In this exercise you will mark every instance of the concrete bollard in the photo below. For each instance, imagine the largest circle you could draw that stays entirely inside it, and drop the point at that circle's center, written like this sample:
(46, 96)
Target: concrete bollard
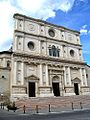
(3, 105)
(81, 105)
(36, 108)
(24, 109)
(72, 106)
(49, 108)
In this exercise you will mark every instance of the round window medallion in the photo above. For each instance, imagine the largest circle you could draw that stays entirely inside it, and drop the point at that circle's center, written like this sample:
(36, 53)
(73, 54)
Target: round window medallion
(72, 53)
(30, 45)
(51, 32)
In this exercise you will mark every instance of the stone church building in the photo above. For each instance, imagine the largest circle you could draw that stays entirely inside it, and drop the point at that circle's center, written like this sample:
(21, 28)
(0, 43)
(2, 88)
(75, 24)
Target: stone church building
(45, 60)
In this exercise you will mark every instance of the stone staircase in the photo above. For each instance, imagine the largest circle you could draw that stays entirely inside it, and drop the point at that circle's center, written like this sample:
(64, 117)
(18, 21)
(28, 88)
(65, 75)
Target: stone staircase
(66, 102)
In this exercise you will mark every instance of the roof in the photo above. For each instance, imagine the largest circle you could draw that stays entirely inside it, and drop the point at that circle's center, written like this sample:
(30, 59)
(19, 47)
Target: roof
(5, 52)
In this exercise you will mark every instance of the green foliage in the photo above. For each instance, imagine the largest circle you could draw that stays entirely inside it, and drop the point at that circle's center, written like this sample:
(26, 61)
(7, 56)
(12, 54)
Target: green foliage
(11, 106)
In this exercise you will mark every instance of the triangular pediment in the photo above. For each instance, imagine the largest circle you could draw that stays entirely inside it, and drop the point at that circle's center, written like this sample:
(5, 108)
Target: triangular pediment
(32, 77)
(76, 80)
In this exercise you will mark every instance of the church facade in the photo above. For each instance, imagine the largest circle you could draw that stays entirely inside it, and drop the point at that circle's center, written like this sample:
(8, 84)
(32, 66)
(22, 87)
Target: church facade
(45, 60)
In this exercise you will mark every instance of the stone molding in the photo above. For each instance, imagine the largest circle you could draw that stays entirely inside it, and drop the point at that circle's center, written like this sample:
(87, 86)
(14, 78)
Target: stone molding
(38, 58)
(23, 17)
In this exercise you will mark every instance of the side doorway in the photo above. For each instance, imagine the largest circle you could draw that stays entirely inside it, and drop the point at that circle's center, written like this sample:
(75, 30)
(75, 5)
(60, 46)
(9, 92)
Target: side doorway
(56, 89)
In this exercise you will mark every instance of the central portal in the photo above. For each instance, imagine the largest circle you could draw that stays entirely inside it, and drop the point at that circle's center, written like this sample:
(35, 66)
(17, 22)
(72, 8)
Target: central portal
(76, 88)
(56, 89)
(31, 86)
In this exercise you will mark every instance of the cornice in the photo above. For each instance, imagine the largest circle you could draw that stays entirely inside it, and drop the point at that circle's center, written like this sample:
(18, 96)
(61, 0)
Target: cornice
(5, 68)
(6, 52)
(17, 15)
(48, 58)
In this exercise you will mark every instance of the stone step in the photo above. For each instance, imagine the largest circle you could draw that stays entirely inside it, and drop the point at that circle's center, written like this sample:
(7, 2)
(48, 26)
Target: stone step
(54, 101)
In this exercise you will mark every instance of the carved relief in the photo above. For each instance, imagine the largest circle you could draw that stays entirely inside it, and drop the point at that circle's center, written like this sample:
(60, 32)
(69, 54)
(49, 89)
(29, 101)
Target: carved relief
(31, 27)
(42, 30)
(20, 24)
(19, 42)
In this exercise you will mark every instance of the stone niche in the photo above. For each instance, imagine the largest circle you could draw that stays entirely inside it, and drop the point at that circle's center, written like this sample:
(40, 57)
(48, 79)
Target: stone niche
(75, 73)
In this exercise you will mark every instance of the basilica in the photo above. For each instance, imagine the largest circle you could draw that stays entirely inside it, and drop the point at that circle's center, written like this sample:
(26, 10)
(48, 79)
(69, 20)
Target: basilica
(45, 60)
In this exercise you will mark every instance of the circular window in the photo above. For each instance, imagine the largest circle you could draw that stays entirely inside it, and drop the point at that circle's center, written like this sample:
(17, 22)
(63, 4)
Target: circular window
(31, 45)
(51, 32)
(72, 53)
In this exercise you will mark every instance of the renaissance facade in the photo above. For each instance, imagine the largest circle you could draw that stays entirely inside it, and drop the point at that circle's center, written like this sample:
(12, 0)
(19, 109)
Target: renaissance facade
(45, 60)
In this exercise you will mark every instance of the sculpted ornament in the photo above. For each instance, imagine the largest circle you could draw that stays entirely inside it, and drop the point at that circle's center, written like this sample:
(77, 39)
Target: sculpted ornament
(31, 27)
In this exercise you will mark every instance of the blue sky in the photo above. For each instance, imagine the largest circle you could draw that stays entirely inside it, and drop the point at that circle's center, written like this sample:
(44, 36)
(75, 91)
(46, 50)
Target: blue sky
(74, 14)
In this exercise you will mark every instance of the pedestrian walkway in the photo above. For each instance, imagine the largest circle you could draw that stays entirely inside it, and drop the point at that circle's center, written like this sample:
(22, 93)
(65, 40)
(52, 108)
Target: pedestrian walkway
(52, 104)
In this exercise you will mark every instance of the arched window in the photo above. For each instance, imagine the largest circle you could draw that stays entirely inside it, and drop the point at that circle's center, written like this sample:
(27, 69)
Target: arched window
(50, 51)
(8, 63)
(53, 51)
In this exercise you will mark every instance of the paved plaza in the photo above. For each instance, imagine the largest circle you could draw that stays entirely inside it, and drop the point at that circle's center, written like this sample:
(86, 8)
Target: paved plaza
(64, 115)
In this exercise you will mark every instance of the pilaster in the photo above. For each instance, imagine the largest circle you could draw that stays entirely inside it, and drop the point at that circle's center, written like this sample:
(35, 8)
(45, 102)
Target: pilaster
(69, 76)
(22, 73)
(81, 76)
(47, 80)
(40, 69)
(15, 73)
(65, 77)
(85, 79)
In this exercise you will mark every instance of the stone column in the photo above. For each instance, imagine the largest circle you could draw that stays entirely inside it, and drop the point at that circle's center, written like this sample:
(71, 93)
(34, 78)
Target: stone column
(22, 73)
(47, 81)
(81, 76)
(85, 79)
(40, 69)
(69, 76)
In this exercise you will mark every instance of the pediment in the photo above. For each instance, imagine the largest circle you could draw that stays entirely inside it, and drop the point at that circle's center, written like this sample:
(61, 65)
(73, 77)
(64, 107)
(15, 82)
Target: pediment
(32, 77)
(76, 80)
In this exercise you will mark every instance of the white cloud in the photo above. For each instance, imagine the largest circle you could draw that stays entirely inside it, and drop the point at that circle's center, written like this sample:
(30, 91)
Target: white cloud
(86, 52)
(84, 26)
(84, 30)
(89, 31)
(42, 9)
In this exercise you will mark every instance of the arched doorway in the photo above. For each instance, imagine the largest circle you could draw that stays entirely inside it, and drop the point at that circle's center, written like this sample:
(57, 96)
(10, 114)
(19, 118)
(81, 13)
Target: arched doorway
(55, 86)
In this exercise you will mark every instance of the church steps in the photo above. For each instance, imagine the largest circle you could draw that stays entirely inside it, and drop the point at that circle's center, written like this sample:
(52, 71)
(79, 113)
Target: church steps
(55, 102)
